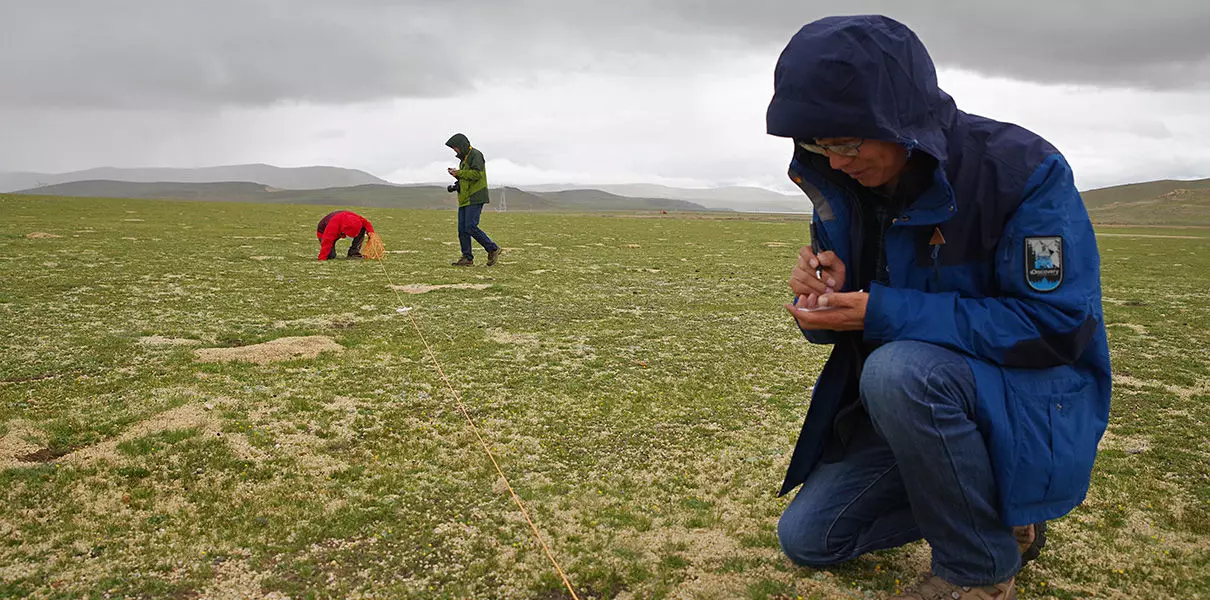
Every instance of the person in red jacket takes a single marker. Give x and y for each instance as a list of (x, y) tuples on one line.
[(337, 225)]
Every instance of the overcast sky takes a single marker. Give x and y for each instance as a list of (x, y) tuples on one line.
[(565, 91)]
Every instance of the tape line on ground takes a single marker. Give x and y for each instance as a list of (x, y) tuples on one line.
[(462, 408)]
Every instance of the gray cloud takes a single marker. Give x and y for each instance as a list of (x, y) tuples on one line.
[(1159, 44), (180, 54), (183, 55)]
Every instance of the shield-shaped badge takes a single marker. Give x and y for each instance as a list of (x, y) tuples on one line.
[(1044, 262)]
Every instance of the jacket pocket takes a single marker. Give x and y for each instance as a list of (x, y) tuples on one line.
[(1051, 459)]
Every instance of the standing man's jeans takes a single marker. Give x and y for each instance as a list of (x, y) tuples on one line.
[(468, 227), (917, 467)]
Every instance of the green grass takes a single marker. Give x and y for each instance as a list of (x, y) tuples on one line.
[(636, 378)]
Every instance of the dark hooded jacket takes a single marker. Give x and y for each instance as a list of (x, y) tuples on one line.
[(472, 172), (995, 259)]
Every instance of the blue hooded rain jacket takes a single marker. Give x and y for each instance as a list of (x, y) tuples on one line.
[(996, 260)]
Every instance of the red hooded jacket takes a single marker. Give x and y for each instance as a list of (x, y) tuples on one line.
[(337, 225)]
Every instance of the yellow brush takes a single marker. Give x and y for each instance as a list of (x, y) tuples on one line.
[(373, 247)]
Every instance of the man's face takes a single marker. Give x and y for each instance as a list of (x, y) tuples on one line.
[(876, 163)]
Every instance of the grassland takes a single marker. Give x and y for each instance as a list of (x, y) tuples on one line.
[(635, 376)]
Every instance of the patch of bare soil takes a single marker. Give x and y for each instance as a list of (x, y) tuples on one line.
[(424, 288), (155, 340), (16, 446), (287, 348), (181, 417), (46, 455)]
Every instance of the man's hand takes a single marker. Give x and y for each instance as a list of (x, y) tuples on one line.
[(836, 312), (452, 171), (816, 274)]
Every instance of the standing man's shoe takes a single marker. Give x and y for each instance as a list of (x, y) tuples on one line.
[(464, 262), (491, 256)]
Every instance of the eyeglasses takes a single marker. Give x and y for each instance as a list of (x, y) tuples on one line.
[(850, 149)]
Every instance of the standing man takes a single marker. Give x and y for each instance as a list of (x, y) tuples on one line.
[(954, 270), (471, 185), (339, 224)]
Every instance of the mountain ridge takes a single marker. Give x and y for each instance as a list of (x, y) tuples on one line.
[(319, 184), (289, 178), (366, 195)]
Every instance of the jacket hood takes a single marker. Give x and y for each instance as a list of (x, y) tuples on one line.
[(459, 143), (861, 76)]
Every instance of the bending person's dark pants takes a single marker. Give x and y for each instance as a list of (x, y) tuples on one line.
[(468, 227), (354, 249), (916, 467)]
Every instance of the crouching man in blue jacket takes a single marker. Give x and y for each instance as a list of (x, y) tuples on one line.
[(954, 271)]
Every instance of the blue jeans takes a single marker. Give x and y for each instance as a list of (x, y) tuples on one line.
[(468, 227), (916, 467)]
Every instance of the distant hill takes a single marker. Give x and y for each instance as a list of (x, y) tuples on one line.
[(1188, 207), (724, 198), (385, 196), (286, 178), (1161, 202), (1133, 192), (330, 178)]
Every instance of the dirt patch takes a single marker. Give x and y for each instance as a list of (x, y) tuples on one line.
[(237, 579), (181, 417), (1184, 393), (155, 340), (46, 455), (16, 445), (424, 288), (287, 348), (41, 235), (30, 378), (1130, 444), (1138, 329), (344, 403)]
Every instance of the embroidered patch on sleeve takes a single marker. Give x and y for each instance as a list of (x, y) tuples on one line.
[(1044, 262)]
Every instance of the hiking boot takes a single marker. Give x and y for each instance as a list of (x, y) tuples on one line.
[(932, 587), (1030, 539), (464, 262), (356, 256), (491, 256)]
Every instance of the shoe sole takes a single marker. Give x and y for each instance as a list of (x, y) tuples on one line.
[(1035, 549)]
